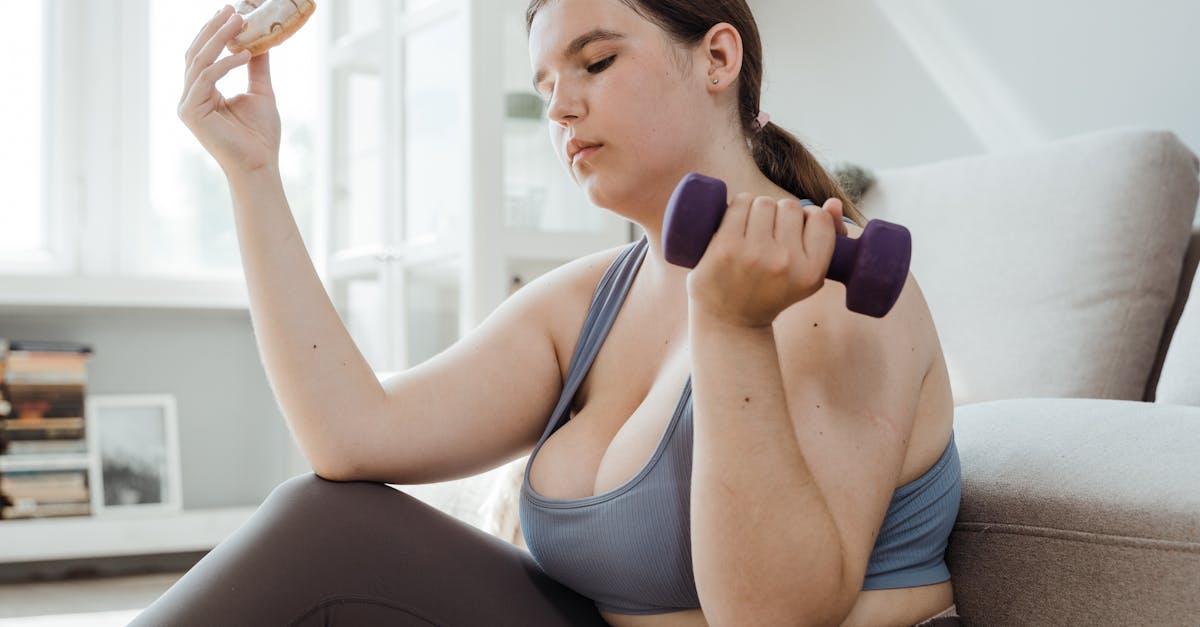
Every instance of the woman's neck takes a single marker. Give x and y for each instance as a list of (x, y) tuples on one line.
[(671, 278)]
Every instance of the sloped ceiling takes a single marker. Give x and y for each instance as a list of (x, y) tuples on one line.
[(920, 80), (1079, 66)]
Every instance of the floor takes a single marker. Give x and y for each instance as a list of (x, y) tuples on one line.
[(94, 602)]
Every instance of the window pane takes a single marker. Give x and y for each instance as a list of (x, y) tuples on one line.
[(359, 216), (358, 16), (364, 317), (416, 5), (539, 192), (431, 309), (22, 210), (188, 228), (435, 142)]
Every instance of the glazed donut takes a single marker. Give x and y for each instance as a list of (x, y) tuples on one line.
[(266, 23)]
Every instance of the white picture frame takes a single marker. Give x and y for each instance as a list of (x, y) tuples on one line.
[(133, 454)]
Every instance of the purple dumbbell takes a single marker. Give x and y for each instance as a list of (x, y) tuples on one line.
[(873, 267)]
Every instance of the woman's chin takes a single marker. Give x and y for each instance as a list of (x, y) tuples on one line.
[(595, 187)]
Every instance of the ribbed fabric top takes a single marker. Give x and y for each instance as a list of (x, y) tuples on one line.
[(629, 549)]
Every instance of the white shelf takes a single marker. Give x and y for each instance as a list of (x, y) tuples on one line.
[(73, 537), (108, 291)]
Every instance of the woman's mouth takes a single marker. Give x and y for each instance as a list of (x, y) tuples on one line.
[(585, 153)]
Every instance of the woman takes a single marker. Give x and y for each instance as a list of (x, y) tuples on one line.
[(807, 473)]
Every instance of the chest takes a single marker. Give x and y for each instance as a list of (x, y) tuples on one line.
[(628, 396), (621, 410)]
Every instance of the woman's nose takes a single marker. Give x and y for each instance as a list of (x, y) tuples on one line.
[(562, 108)]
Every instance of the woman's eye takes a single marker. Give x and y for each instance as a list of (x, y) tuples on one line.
[(594, 68), (600, 66)]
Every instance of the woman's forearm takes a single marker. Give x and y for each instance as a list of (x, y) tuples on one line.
[(764, 545), (321, 380)]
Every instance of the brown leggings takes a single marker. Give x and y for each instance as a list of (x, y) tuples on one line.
[(320, 552)]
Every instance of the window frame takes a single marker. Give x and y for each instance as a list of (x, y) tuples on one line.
[(96, 151)]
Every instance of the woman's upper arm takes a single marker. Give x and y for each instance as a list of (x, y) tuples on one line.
[(486, 399)]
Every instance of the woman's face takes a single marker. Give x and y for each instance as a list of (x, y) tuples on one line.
[(623, 88)]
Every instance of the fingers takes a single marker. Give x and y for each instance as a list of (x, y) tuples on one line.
[(734, 222), (260, 75), (834, 206), (212, 48), (206, 82), (819, 233), (761, 224), (205, 34), (808, 231), (790, 223)]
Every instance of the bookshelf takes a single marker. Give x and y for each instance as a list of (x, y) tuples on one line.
[(74, 537), (235, 446), (116, 291)]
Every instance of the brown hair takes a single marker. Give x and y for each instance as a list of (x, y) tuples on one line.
[(779, 155)]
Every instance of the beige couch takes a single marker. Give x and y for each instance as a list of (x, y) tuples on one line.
[(1058, 278)]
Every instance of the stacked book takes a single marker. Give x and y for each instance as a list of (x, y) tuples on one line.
[(43, 443)]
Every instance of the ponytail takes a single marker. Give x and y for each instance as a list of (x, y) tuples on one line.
[(790, 165)]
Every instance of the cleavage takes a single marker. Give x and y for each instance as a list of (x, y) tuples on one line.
[(615, 427)]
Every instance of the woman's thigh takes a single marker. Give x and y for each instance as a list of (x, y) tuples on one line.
[(320, 552)]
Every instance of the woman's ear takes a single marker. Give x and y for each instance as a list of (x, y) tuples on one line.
[(722, 50)]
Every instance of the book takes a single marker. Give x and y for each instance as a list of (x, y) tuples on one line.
[(65, 422), (66, 428), (57, 462), (49, 346), (15, 479), (47, 494), (45, 510), (43, 449)]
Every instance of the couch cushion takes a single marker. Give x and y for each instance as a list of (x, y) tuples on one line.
[(1179, 381), (1077, 512), (1050, 271)]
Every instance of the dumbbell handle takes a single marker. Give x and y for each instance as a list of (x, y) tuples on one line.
[(873, 268)]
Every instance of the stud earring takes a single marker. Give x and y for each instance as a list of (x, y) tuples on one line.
[(715, 81)]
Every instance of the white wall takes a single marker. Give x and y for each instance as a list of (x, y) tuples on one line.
[(840, 78), (923, 80)]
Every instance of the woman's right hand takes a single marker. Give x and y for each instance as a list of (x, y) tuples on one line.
[(243, 132)]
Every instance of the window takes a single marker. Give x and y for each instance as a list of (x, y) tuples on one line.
[(22, 132), (435, 138), (98, 172), (187, 226)]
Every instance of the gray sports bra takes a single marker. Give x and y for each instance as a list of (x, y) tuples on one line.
[(629, 548)]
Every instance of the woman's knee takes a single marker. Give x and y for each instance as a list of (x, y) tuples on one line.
[(318, 501), (311, 487), (300, 486)]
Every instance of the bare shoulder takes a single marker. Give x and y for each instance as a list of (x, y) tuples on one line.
[(906, 337), (573, 285)]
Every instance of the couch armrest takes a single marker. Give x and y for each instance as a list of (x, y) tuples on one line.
[(1077, 512)]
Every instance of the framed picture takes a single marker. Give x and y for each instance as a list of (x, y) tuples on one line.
[(133, 448)]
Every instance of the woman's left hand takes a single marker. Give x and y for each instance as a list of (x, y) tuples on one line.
[(766, 255)]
